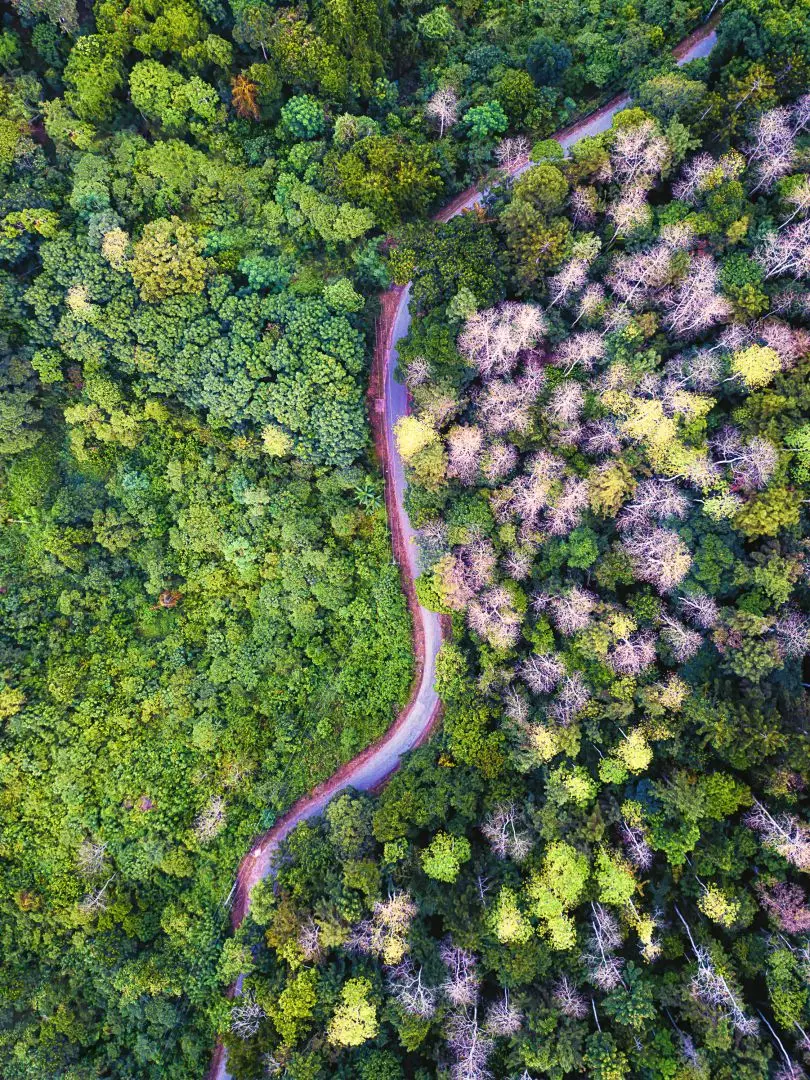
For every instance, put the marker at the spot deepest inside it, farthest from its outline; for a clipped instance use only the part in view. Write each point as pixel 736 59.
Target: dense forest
pixel 598 866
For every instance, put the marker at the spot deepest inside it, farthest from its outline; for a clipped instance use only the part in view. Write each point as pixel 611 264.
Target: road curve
pixel 388 401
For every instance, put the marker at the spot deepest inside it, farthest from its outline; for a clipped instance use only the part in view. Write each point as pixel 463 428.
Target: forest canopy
pixel 598 866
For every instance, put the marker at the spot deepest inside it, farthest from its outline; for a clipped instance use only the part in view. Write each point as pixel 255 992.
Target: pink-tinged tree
pixel 408 988
pixel 493 617
pixel 783 833
pixel 792 631
pixel 601 437
pixel 566 513
pixel 570 279
pixel 787 905
pixel 573 610
pixel 659 557
pixel 710 986
pixel 518 564
pixel 463 982
pixel 566 403
pixel 569 1000
pixel 442 109
pixel 788 342
pixel 512 153
pixel 503 1017
pixel 639 154
pixel 571 698
pixel 505 406
pixel 638 851
pixel 583 350
pixel 542 672
pixel 504 836
pixel 583 205
pixel 771 149
pixel 491 340
pixel 469 1045
pixel 700 609
pixel 786 253
pixel 752 464
pixel 500 459
pixel 683 642
pixel 604 967
pixel 653 500
pixel 464 448
pixel 694 304
pixel 633 654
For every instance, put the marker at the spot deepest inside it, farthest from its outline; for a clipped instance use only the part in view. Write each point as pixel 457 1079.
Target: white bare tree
pixel 463 982
pixel 407 987
pixel 784 833
pixel 442 109
pixel 505 838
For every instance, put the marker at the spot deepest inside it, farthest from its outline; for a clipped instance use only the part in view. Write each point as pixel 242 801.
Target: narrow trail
pixel 387 402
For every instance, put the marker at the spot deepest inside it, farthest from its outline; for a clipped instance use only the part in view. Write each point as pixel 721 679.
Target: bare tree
pixel 505 405
pixel 572 697
pixel 711 987
pixel 580 350
pixel 694 304
pixel 639 154
pixel 512 153
pixel 464 447
pixel 246 1017
pixel 700 608
pixel 787 905
pixel 309 940
pixel 542 672
pixel 752 464
pixel 492 339
pixel 788 252
pixel 504 838
pixel 566 512
pixel 503 1017
pixel 210 820
pixel 601 437
pixel 500 459
pixel 659 557
pixel 405 981
pixel 683 642
pixel 418 372
pixel 493 617
pixel 570 279
pixel 635 843
pixel 653 500
pixel 442 109
pixel 784 833
pixel 470 1047
pixel 573 610
pixel 793 634
pixel 633 654
pixel 604 967
pixel 463 981
pixel 771 149
pixel 91 857
pixel 570 1001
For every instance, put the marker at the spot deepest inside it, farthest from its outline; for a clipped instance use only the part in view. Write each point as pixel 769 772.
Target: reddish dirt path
pixel 417 720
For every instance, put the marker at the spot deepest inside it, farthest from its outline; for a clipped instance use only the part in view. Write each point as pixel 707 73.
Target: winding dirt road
pixel 388 401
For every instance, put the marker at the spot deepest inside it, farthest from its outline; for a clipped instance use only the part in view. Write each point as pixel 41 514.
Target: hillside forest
pixel 598 866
